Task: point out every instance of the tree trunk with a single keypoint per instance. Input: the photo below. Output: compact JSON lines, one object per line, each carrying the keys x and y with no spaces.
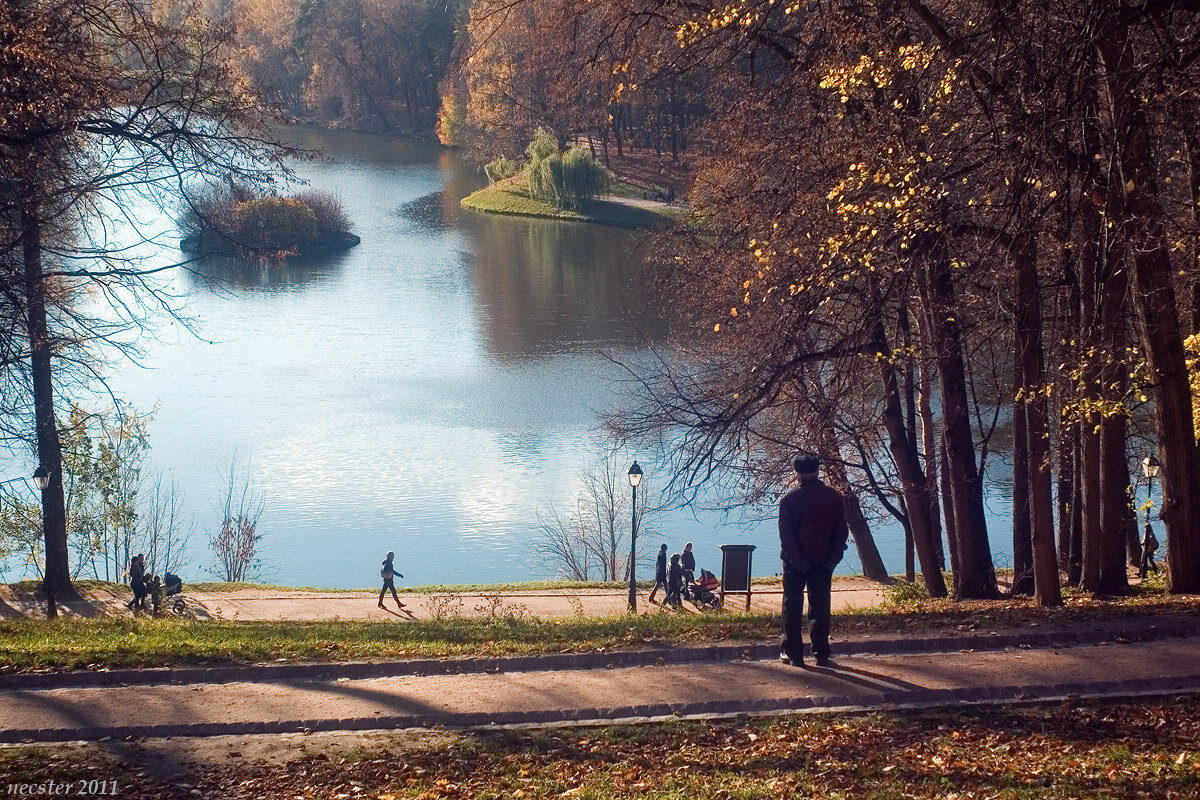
{"x":1047,"y":591}
{"x":1134,"y":208}
{"x":1114,"y":480}
{"x":49,"y":447}
{"x":929,"y":444}
{"x":976,"y":575}
{"x":868,"y":552}
{"x":947,"y":494}
{"x":908,"y":464}
{"x":1022,"y":533}
{"x":1075,"y":559}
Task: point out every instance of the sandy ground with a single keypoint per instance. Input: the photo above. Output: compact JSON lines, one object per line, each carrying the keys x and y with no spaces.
{"x":298,"y":604}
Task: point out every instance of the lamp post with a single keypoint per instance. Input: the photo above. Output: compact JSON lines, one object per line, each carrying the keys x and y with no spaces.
{"x":41,"y":479}
{"x":635,"y":477}
{"x":1150,"y":467}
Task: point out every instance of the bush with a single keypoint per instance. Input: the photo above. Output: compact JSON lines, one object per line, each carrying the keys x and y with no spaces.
{"x":452,"y":120}
{"x":904,"y":593}
{"x":500,"y":168}
{"x":582,"y":177}
{"x":274,"y":225}
{"x":331,"y":214}
{"x":563,"y":179}
{"x":209,"y":208}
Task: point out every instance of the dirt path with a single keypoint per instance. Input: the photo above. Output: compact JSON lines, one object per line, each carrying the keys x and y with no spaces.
{"x":299,"y":604}
{"x":664,"y":688}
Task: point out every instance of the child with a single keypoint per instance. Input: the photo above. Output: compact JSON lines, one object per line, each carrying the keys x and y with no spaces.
{"x":386,"y":573}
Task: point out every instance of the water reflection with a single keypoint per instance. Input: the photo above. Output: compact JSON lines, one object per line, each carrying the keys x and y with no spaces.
{"x":231,"y":272}
{"x":427,"y":212}
{"x":546,"y":288}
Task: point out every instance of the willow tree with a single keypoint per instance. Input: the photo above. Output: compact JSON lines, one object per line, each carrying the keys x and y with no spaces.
{"x":105,"y":109}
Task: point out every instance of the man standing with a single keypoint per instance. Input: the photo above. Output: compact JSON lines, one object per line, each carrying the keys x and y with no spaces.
{"x":812,"y":535}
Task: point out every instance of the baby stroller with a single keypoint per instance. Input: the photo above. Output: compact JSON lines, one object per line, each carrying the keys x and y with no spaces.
{"x":167,"y":589}
{"x":703,"y":591}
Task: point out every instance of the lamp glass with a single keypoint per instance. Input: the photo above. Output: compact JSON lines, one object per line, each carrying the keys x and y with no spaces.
{"x":635,"y":475}
{"x":1150,"y":466}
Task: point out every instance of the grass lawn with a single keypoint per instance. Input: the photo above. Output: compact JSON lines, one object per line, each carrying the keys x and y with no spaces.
{"x":67,"y":644}
{"x":1066,"y":752}
{"x":510,"y":197}
{"x":507,"y":629}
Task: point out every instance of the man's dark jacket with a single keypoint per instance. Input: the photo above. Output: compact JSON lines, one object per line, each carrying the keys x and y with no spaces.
{"x":812,"y":526}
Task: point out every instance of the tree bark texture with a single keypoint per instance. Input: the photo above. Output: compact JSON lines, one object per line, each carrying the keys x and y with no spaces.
{"x":1047,"y":588}
{"x":49,"y":446}
{"x":908,"y":464}
{"x":975,"y":577}
{"x":1134,"y":206}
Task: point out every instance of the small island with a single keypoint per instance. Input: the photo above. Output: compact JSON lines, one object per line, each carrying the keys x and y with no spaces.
{"x":565,"y":185}
{"x":231,"y":220}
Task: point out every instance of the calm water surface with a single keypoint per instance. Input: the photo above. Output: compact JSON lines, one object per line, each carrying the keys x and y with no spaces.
{"x":425,"y":392}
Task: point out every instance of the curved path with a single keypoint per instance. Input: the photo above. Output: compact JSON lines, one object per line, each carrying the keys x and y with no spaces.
{"x":1119,"y":660}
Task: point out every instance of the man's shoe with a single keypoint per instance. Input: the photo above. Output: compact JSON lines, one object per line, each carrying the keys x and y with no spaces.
{"x":825,"y":661}
{"x":791,"y":662}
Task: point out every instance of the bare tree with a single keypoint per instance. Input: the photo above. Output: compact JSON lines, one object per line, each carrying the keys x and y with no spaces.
{"x":561,"y":541}
{"x":596,"y":532}
{"x":236,"y":542}
{"x":165,"y":532}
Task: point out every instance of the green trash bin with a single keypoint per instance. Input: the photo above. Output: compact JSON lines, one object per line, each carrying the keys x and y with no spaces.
{"x":735,"y":570}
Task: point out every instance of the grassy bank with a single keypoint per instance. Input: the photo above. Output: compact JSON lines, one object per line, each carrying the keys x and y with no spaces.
{"x":1068,"y":752}
{"x":146,"y":642}
{"x":511,"y":197}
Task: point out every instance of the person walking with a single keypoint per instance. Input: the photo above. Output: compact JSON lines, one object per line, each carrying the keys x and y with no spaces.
{"x":660,"y":572}
{"x":687,"y":560}
{"x":387,"y":572}
{"x":1149,"y":547}
{"x":812,"y":536}
{"x":674,"y":582}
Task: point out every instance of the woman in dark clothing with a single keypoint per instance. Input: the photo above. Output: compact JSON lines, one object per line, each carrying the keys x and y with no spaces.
{"x":687,"y":560}
{"x":387,"y":572}
{"x":675,"y":582}
{"x":660,"y":572}
{"x":137,"y":582}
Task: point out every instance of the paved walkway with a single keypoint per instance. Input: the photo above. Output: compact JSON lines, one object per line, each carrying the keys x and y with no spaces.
{"x":1118,"y":659}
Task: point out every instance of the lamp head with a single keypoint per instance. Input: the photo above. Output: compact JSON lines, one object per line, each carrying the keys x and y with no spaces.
{"x":635,"y":475}
{"x":41,"y":477}
{"x":1150,"y":466}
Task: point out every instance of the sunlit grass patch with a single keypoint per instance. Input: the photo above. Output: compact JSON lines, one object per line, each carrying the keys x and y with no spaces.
{"x":141,"y":642}
{"x":511,"y":197}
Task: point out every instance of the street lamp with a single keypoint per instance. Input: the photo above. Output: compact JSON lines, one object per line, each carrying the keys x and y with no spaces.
{"x":41,"y":479}
{"x":635,"y":477}
{"x":1150,"y":468}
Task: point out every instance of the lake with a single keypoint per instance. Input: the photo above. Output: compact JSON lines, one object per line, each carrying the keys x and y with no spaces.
{"x":426,"y":392}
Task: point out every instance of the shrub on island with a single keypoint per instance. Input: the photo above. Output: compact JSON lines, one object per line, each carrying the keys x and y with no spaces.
{"x":230,"y":220}
{"x":562,"y":178}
